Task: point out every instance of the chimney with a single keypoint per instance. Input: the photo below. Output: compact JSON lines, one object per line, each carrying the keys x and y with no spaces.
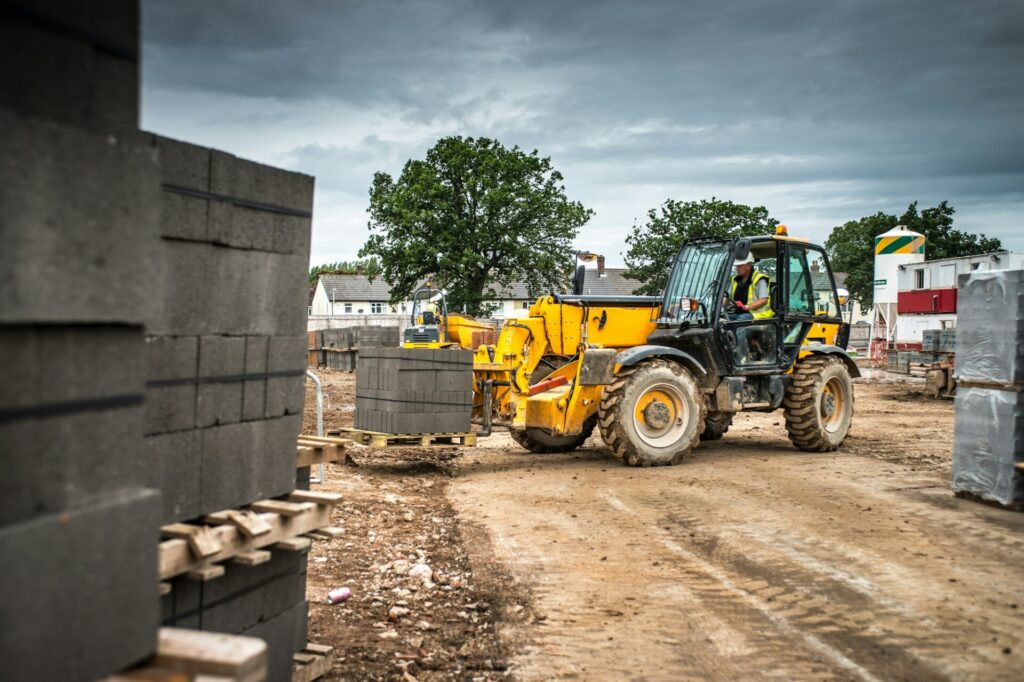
{"x":600,"y":266}
{"x":815,"y":267}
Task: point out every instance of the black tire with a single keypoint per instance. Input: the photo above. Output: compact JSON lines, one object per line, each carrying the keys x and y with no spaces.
{"x":642,"y":443}
{"x":818,"y":404}
{"x":542,"y":442}
{"x":716,"y":424}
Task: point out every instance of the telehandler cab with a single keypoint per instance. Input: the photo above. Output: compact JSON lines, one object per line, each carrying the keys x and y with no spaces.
{"x":659,"y":374}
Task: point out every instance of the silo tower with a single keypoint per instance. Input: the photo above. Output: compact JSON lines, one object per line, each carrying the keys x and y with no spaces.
{"x":899,"y":246}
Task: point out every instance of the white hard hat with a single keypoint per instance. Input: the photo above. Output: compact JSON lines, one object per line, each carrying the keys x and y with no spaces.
{"x":749,"y":260}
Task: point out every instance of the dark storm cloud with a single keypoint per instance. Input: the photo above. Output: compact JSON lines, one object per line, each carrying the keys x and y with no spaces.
{"x":824,"y":111}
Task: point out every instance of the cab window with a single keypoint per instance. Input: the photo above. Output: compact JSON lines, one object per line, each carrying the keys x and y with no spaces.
{"x":809,"y":284}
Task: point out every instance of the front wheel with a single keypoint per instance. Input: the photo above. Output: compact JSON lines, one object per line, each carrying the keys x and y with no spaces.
{"x":819,"y":404}
{"x":652,"y":414}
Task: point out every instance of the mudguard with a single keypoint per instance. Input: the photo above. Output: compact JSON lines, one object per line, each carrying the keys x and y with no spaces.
{"x":635,"y":354}
{"x":823,"y":349}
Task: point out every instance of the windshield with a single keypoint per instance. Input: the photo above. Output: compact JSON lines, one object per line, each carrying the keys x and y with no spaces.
{"x":696,"y":275}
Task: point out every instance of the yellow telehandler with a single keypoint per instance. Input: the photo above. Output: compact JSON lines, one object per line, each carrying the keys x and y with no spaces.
{"x":659,"y":374}
{"x":432,"y":326}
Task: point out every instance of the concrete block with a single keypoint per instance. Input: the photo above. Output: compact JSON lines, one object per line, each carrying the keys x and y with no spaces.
{"x":229,"y":478}
{"x":279,"y":634}
{"x":170,"y":408}
{"x":182,"y":164}
{"x":55,"y":463}
{"x":222,"y":356}
{"x":184,"y":217}
{"x":55,"y":76}
{"x":286,"y":395}
{"x":169,"y":357}
{"x":74,"y":560}
{"x":254,"y":182}
{"x":301,"y":626}
{"x":173,"y":464}
{"x":219,"y":403}
{"x":248,"y":461}
{"x":241,"y":227}
{"x":80,"y":225}
{"x":51,"y":364}
{"x":112,"y":25}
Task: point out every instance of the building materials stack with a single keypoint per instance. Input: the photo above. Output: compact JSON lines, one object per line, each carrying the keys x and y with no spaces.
{"x":225,"y":374}
{"x":989,"y":436}
{"x":414,"y":390}
{"x":79,"y":191}
{"x":339,"y":348}
{"x":152,"y":352}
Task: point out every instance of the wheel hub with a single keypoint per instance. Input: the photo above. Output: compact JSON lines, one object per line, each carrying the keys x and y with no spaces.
{"x":828,"y":404}
{"x":657,"y":414}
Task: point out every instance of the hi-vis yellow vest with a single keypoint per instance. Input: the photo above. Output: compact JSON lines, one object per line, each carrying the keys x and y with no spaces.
{"x":765,"y":310}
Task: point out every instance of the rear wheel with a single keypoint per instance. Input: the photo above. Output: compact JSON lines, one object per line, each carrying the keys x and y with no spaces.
{"x":716,"y":424}
{"x":542,"y":442}
{"x":652,"y":413}
{"x":819,"y":404}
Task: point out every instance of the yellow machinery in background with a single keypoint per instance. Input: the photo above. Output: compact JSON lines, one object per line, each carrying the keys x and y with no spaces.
{"x":659,"y":374}
{"x":432,"y":326}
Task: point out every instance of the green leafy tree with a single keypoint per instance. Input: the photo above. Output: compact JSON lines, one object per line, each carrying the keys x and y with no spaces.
{"x":851,"y":246}
{"x":654,"y":245}
{"x":473,"y":216}
{"x":368,"y":266}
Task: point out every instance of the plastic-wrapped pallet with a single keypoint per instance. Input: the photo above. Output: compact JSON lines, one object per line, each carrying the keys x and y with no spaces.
{"x":930,"y":340}
{"x":988,"y":442}
{"x":990,"y":327}
{"x":414,"y":390}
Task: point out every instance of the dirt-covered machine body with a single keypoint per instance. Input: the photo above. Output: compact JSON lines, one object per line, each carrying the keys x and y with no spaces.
{"x":661,"y":373}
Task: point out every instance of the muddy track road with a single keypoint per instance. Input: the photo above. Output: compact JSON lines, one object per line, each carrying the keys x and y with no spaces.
{"x":753,"y":560}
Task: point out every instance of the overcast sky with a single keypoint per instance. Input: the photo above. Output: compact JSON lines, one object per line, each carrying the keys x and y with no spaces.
{"x":821,"y":111}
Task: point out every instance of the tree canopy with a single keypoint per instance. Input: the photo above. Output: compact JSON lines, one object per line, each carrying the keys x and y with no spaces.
{"x":654,"y":245}
{"x":474,"y":215}
{"x":851,"y":246}
{"x":368,"y":266}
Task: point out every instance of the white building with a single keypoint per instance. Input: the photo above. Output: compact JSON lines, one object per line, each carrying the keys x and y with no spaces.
{"x":927,"y":296}
{"x":337,"y":295}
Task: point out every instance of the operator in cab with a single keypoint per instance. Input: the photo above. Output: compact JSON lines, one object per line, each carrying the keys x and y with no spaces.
{"x":750,"y":292}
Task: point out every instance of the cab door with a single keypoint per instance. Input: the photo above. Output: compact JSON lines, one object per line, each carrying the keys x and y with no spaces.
{"x":810,"y":307}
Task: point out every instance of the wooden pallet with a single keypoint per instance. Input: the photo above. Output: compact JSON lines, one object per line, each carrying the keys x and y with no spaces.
{"x":377,"y":439}
{"x":244,"y":536}
{"x":314,"y":450}
{"x":192,"y":655}
{"x":312,"y":663}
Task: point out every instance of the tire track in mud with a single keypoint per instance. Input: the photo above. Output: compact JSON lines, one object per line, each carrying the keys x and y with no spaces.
{"x":862,"y":608}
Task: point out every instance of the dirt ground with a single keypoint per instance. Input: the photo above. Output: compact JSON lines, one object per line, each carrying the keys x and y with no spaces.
{"x":750,"y":560}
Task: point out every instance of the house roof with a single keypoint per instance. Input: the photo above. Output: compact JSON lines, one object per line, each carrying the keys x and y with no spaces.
{"x":355,"y":288}
{"x":614,"y":283}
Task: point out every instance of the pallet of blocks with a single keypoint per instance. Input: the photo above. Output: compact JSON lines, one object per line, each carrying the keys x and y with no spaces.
{"x":414,"y":391}
{"x":243,"y":571}
{"x":988,"y":443}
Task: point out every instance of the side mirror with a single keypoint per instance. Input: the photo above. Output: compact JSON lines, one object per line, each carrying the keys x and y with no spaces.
{"x":742,"y":249}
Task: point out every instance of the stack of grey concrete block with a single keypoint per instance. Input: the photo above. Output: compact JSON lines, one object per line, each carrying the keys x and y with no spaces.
{"x":989,"y":431}
{"x":225,"y":373}
{"x":340,"y":347}
{"x":414,"y":390}
{"x":226,"y":351}
{"x":79,"y":191}
{"x":265,"y":601}
{"x":152,"y":315}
